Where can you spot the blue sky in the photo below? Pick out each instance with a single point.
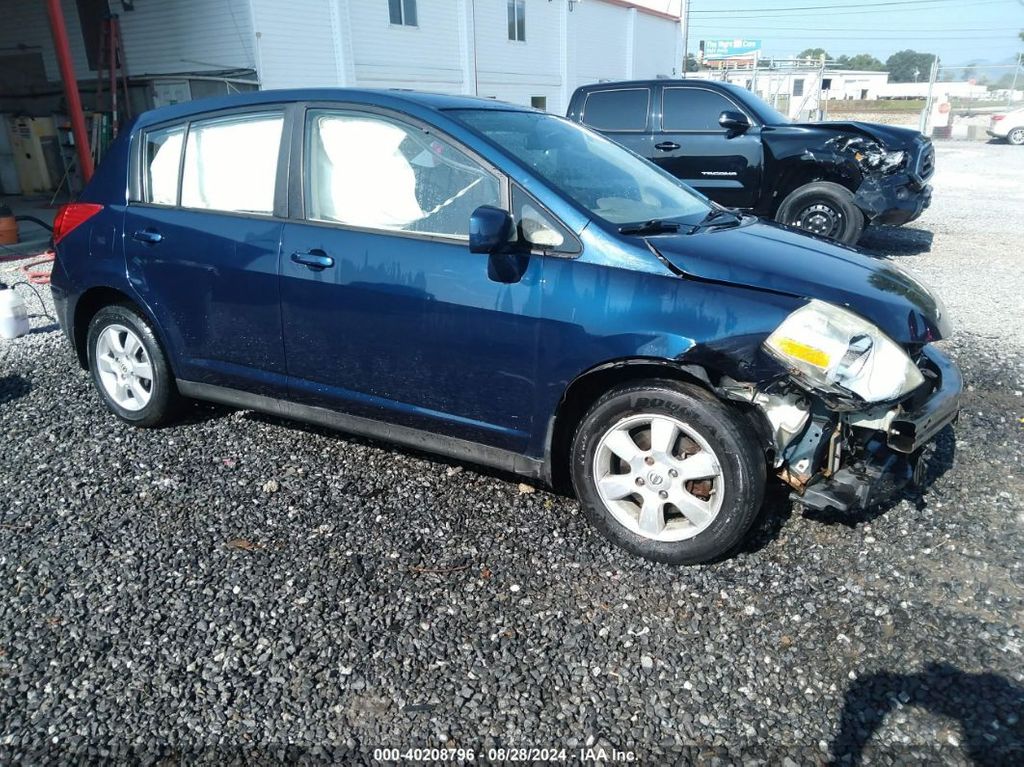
(960, 31)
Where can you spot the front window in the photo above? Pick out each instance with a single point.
(402, 12)
(517, 20)
(598, 174)
(373, 172)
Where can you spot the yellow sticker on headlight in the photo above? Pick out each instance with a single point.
(805, 352)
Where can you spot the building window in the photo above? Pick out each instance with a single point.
(402, 12)
(517, 20)
(798, 87)
(539, 102)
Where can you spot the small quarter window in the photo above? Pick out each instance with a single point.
(231, 163)
(618, 110)
(161, 161)
(402, 12)
(369, 171)
(538, 228)
(517, 20)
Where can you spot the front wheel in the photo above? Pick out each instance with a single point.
(666, 471)
(1016, 136)
(824, 209)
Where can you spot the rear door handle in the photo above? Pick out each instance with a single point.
(667, 146)
(316, 260)
(147, 236)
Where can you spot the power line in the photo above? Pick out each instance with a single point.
(833, 10)
(885, 3)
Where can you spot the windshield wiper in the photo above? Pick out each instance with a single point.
(715, 214)
(654, 226)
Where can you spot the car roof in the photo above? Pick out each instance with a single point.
(670, 81)
(394, 98)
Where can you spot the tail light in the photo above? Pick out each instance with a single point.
(72, 216)
(997, 118)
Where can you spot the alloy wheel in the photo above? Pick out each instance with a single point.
(124, 367)
(658, 477)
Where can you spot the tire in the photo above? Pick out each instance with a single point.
(129, 367)
(824, 209)
(614, 493)
(1015, 137)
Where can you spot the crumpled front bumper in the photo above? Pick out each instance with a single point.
(894, 200)
(896, 456)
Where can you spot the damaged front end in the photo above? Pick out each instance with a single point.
(893, 188)
(851, 422)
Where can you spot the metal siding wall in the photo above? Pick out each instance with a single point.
(159, 37)
(425, 57)
(655, 48)
(296, 43)
(601, 47)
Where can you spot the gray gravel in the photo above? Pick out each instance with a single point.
(239, 589)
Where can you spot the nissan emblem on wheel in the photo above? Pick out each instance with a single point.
(829, 179)
(509, 288)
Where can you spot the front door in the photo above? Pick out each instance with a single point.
(386, 313)
(726, 166)
(202, 252)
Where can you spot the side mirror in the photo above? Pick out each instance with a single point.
(734, 122)
(490, 230)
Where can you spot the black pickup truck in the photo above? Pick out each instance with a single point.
(828, 178)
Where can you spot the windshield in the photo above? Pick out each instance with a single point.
(600, 175)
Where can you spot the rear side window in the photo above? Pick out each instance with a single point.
(161, 160)
(231, 163)
(618, 110)
(693, 109)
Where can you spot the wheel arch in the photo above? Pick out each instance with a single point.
(800, 171)
(588, 386)
(89, 303)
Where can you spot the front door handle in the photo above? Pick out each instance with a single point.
(316, 260)
(667, 146)
(147, 236)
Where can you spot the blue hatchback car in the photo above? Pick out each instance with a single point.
(502, 286)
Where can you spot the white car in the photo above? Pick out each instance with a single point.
(1009, 127)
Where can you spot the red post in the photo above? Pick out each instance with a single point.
(67, 73)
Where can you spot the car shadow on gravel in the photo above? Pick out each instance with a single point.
(13, 387)
(989, 708)
(896, 240)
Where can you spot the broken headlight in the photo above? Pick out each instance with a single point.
(871, 156)
(833, 350)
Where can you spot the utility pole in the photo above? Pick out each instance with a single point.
(685, 22)
(1013, 85)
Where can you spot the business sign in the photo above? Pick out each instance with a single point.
(718, 50)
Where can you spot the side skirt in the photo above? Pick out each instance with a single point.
(428, 442)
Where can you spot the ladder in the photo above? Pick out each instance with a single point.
(110, 67)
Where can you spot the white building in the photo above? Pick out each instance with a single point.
(525, 51)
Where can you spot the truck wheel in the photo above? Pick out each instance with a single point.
(824, 209)
(1016, 136)
(129, 368)
(666, 471)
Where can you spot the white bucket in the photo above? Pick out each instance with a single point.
(13, 314)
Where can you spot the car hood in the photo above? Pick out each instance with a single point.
(771, 257)
(890, 136)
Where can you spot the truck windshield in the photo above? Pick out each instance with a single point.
(609, 181)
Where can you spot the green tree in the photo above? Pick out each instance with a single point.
(691, 63)
(909, 66)
(813, 53)
(862, 61)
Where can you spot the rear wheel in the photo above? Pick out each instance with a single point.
(667, 472)
(129, 368)
(1016, 136)
(824, 209)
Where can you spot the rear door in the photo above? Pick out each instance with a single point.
(622, 114)
(386, 312)
(693, 147)
(202, 239)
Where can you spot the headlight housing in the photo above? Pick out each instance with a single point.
(831, 349)
(873, 157)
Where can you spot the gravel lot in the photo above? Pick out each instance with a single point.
(237, 588)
